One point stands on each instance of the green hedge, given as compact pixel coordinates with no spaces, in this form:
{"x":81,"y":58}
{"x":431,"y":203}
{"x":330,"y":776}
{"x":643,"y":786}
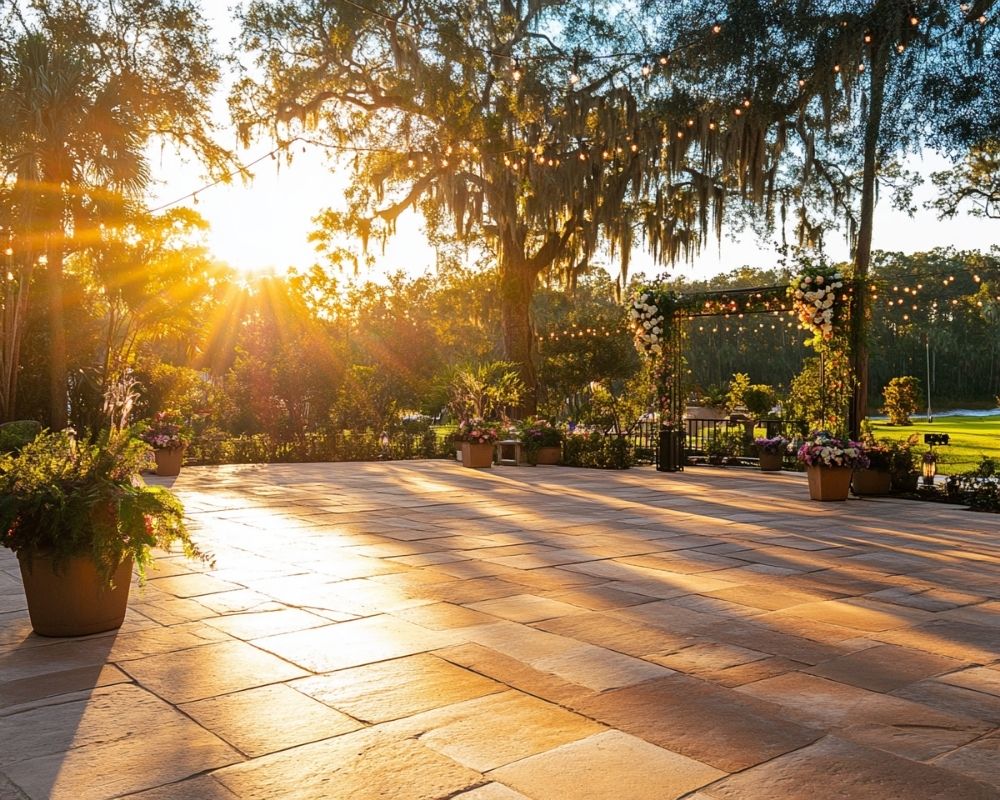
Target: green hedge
{"x":599,"y":451}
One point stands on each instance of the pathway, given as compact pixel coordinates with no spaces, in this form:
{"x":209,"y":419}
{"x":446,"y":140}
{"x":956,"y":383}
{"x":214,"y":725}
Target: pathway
{"x":419,"y":630}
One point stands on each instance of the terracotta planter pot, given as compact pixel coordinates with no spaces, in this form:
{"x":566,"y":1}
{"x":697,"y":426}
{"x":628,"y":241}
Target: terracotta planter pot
{"x":549,"y":455}
{"x":871,"y":482}
{"x":74,"y":601}
{"x":770,"y":462}
{"x":829,"y":483}
{"x":168,"y":462}
{"x":477,"y":455}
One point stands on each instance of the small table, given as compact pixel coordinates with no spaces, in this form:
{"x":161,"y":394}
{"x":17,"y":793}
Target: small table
{"x":510,"y":452}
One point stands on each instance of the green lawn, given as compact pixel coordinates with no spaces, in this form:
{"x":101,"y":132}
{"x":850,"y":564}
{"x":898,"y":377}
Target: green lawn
{"x":972,"y":438}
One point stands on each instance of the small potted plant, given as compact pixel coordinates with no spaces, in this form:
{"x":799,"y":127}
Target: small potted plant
{"x":772,"y":451}
{"x":876,"y":478}
{"x":829,"y":463}
{"x":77,"y":515}
{"x":478,"y":438}
{"x":720,"y":446}
{"x":166,"y":435}
{"x":542,"y":441}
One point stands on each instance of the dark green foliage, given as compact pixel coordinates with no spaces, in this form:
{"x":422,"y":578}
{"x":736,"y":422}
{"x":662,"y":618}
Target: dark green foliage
{"x":62,"y":497}
{"x":598,"y":450}
{"x":978,"y":488}
{"x":15,"y":435}
{"x":901,"y":397}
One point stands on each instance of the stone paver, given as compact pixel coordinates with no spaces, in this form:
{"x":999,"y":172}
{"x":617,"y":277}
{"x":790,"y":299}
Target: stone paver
{"x":417,"y":630}
{"x":607,"y":765}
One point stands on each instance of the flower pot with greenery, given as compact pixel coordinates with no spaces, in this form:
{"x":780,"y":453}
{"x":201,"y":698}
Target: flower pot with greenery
{"x":77,"y":515}
{"x":875,"y":479}
{"x":771,"y":451}
{"x":166,"y":436}
{"x":829,"y":463}
{"x":478,"y":438}
{"x":542,"y":441}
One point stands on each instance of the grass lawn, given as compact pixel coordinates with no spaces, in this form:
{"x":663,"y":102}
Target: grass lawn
{"x":972,"y":438}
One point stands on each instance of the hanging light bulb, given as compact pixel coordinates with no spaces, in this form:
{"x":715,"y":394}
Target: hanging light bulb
{"x":516,"y":72}
{"x":646,"y":69}
{"x":868,"y":38}
{"x":574,"y":79}
{"x":900,"y":47}
{"x":717,"y":28}
{"x":836,"y":67}
{"x":664,"y":60}
{"x":861,"y":67}
{"x":914,"y":21}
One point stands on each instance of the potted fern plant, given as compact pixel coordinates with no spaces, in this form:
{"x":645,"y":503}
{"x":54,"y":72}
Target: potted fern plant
{"x":78,"y":517}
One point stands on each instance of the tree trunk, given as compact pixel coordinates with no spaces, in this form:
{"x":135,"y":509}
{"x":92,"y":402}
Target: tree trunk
{"x":863,"y":251}
{"x":58,"y":373}
{"x":517,"y":287}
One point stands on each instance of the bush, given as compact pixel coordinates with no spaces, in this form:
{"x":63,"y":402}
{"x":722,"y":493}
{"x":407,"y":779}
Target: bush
{"x":979,"y":488}
{"x":759,"y":399}
{"x":15,"y":435}
{"x":599,"y":451}
{"x":901,"y":396}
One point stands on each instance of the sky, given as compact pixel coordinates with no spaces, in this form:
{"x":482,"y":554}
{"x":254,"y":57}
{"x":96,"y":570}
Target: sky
{"x":263,"y":226}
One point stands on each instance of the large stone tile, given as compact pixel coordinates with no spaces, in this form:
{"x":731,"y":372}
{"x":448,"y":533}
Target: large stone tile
{"x":192,"y":585}
{"x":891,"y":723}
{"x":954,"y":700}
{"x":981,"y":679}
{"x":598,"y":668}
{"x":268,"y":718}
{"x":611,"y":764}
{"x":256,"y":625}
{"x":120,"y":739}
{"x":398,"y":688}
{"x":209,"y":671}
{"x":203,"y":787}
{"x":884,"y":668}
{"x":514,"y":673}
{"x":498,"y":729}
{"x":979,"y":760}
{"x":54,"y":684}
{"x":524,"y":608}
{"x":837,"y":770}
{"x":357,"y":766}
{"x":356,"y":642}
{"x":966,"y":642}
{"x":715,"y":725}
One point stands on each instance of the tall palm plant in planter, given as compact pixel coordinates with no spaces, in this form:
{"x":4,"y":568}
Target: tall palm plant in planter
{"x":78,"y":516}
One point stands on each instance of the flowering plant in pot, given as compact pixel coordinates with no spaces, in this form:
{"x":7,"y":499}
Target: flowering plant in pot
{"x":77,"y":515}
{"x":829,"y":463}
{"x":542,"y":440}
{"x":771,"y":450}
{"x":477,"y":437}
{"x":167,"y":436}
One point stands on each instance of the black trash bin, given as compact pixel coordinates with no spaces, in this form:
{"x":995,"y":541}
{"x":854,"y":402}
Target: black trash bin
{"x":670,"y":453}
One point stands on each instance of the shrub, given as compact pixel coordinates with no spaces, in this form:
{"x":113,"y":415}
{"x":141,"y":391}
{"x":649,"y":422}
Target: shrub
{"x":901,"y":396}
{"x":598,"y":450}
{"x":978,"y":488}
{"x":759,"y":399}
{"x":15,"y":435}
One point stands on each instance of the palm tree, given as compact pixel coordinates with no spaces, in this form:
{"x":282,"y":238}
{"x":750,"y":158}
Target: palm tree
{"x":75,"y":155}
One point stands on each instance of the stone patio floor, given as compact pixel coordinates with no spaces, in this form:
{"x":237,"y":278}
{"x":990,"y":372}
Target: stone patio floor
{"x":420,"y":630}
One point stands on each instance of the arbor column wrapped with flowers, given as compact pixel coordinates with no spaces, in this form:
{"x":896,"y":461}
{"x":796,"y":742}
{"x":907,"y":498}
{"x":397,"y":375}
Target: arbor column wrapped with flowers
{"x":652,"y":315}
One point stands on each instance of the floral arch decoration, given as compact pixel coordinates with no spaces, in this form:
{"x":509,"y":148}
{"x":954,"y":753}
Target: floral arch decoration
{"x":818,"y":297}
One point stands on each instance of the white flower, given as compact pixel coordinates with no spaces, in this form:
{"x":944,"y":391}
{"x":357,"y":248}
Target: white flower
{"x":807,"y":279}
{"x":837,"y":276}
{"x":819,"y":279}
